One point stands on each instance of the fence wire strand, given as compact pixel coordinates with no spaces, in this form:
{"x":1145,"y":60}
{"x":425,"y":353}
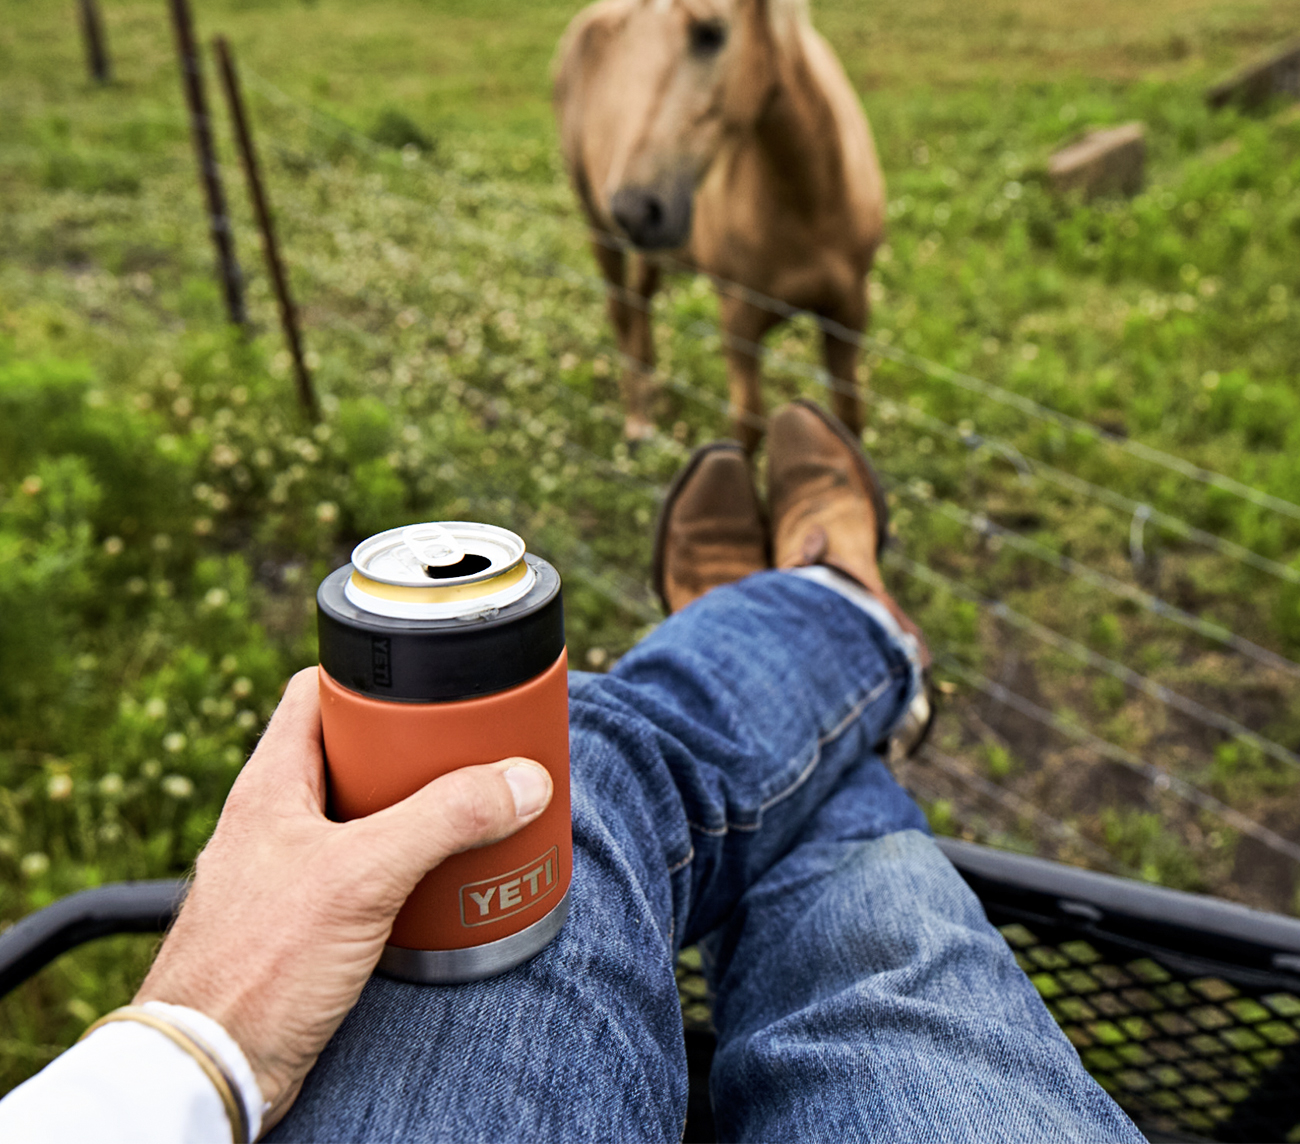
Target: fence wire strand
{"x":1020,"y":807}
{"x":1027,"y":465}
{"x":769,"y":304}
{"x":1147,"y":600}
{"x":1041,"y":469}
{"x":1083,"y":654}
{"x":1024,"y":464}
{"x":981,"y":525}
{"x":1160,"y":778}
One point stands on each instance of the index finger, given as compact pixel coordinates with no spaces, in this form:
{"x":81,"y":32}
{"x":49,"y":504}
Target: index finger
{"x":290,"y":761}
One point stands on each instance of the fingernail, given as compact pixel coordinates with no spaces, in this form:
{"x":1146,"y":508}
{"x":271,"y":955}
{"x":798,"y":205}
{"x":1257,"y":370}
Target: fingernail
{"x":530,"y":788}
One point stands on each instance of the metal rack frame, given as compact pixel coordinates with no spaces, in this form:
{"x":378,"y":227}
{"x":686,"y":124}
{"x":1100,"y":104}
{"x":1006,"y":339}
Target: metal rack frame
{"x":1186,"y":1008}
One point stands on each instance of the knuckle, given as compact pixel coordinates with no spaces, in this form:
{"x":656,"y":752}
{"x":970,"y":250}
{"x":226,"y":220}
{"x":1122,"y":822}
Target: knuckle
{"x":474,"y":807}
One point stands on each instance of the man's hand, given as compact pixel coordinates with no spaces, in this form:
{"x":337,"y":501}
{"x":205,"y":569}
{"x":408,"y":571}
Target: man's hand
{"x":289,"y":911}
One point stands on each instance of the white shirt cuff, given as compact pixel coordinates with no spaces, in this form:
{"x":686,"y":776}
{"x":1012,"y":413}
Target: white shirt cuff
{"x":228,"y":1052}
{"x":129,"y":1084}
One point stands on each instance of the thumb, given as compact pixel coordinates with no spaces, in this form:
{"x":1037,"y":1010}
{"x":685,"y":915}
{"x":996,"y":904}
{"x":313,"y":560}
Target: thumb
{"x":469,"y":807}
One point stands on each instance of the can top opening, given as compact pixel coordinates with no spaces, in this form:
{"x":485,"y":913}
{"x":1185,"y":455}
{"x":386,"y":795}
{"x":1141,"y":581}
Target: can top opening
{"x":468,"y":565}
{"x":439,"y":570}
{"x":457,"y":551}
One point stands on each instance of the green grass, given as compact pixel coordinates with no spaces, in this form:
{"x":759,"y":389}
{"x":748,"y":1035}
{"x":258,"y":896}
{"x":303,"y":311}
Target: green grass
{"x":165,"y":513}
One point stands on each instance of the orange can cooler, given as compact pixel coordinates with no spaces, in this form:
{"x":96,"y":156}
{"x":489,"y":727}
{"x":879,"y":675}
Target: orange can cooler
{"x":442,"y":646}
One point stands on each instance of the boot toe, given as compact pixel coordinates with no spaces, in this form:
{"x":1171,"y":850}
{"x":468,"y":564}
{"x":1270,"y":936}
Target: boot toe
{"x":711,"y":527}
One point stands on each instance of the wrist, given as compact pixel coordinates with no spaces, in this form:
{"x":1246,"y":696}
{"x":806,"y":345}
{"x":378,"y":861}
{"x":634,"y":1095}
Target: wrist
{"x":219,"y":1026}
{"x":209,"y":1046}
{"x":232,"y":1056}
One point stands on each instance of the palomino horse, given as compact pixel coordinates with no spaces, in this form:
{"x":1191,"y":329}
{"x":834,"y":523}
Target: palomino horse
{"x":724,"y":135}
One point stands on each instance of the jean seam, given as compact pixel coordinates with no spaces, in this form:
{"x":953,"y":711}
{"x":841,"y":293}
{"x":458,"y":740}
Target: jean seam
{"x":854,"y":713}
{"x":709,"y":831}
{"x":682,"y":863}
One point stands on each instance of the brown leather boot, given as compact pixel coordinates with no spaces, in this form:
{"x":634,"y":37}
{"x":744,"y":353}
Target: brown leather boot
{"x":711,"y":528}
{"x":826,"y":502}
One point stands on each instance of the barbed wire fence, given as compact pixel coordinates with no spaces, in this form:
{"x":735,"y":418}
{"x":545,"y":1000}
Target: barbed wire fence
{"x":627,"y":591}
{"x":1143,"y":513}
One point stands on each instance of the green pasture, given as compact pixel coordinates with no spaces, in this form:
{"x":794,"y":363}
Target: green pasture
{"x":165,"y":511}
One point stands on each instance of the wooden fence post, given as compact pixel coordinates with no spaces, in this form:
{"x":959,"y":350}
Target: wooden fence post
{"x":271,"y":249}
{"x":92,"y":29}
{"x":223,"y":240}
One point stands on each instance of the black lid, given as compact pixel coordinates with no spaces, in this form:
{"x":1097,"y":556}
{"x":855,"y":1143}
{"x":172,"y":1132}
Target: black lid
{"x":429,"y":661}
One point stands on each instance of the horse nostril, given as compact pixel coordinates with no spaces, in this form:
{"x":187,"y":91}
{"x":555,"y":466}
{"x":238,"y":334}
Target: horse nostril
{"x":640,"y":213}
{"x":647,"y":217}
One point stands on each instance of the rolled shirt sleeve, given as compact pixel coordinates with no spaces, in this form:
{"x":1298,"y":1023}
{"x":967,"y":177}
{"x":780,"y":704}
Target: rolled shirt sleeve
{"x":129,"y":1084}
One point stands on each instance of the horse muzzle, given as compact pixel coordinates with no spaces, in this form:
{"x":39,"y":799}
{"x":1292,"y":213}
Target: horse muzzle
{"x":654,"y":217}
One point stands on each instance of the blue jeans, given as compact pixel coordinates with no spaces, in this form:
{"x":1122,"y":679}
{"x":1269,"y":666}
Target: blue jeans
{"x":728,"y":788}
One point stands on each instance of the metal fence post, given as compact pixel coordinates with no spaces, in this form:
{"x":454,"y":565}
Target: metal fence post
{"x":270,"y":247}
{"x":223,"y":240}
{"x":92,"y":29}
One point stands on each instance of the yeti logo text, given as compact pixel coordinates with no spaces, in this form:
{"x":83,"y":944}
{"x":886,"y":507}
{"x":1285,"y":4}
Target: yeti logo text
{"x":381,"y":661}
{"x":506,"y":894}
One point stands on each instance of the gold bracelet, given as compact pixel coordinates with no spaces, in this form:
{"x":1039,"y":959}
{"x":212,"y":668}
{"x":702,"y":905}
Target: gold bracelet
{"x":203,"y":1055}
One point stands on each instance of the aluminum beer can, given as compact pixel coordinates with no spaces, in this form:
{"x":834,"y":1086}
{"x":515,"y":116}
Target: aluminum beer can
{"x":442,"y":646}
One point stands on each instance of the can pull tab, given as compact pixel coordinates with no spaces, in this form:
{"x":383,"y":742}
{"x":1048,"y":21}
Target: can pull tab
{"x":432,"y":545}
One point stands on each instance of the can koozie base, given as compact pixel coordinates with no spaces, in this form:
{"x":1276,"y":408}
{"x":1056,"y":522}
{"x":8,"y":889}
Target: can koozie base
{"x":456,"y":966}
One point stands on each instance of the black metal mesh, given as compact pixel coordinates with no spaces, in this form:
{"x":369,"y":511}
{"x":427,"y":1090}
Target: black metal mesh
{"x":1186,"y":1009}
{"x":1187,"y":1056}
{"x":1180,"y":1053}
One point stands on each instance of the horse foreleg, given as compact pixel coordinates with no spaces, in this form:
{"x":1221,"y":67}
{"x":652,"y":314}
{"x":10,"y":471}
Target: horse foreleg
{"x":639,"y":389}
{"x":841,"y":358}
{"x":621,"y":303}
{"x":744,"y":326}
